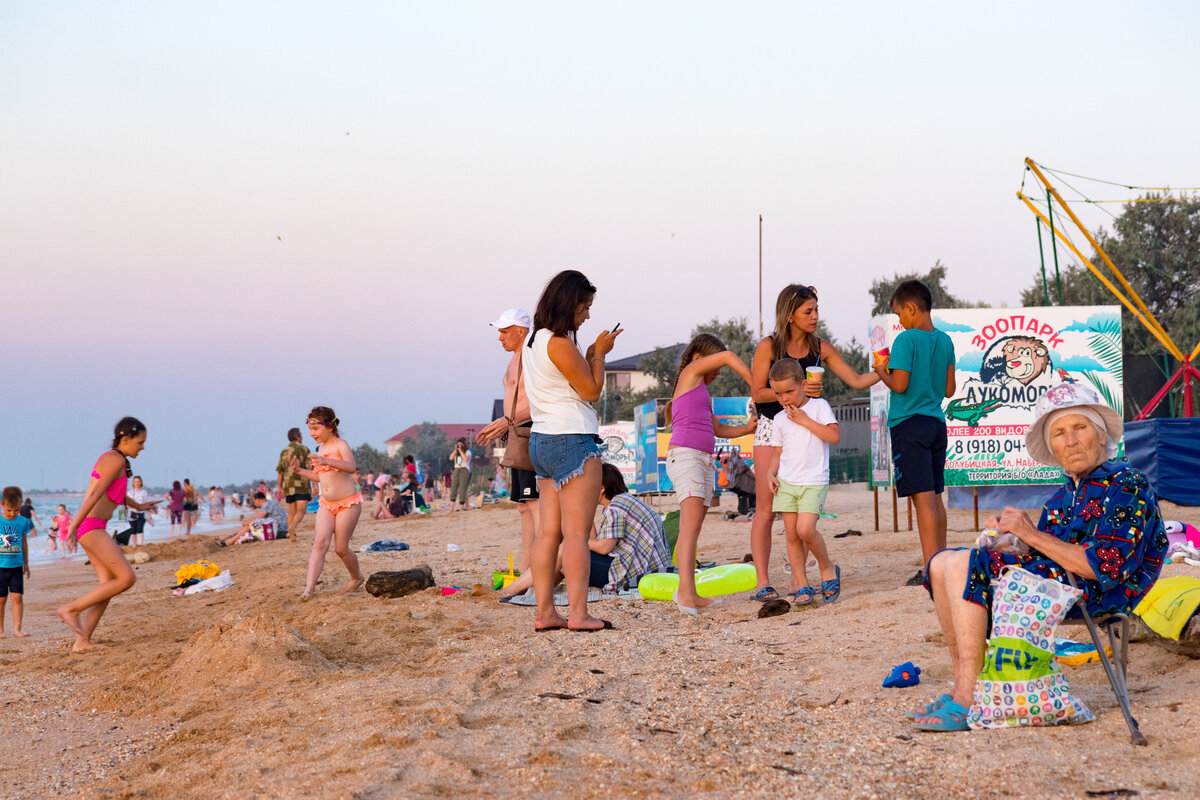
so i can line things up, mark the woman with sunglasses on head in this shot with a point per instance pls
(794, 337)
(106, 491)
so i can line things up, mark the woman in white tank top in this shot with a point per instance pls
(560, 382)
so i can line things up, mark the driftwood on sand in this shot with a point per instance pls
(401, 582)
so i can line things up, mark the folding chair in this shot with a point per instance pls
(1119, 644)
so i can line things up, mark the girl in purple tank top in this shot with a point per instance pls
(690, 453)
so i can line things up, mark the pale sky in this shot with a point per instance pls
(214, 216)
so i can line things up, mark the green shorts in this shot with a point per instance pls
(791, 499)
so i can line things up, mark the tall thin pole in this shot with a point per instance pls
(760, 321)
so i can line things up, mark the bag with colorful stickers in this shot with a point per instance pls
(1020, 683)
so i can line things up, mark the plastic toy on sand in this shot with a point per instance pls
(725, 579)
(906, 674)
(502, 579)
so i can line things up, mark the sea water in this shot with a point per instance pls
(158, 528)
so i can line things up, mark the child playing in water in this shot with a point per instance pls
(340, 502)
(690, 452)
(59, 524)
(799, 472)
(66, 544)
(14, 557)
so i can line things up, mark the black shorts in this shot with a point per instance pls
(137, 522)
(294, 498)
(919, 455)
(12, 579)
(522, 485)
(599, 574)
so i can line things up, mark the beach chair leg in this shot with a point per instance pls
(1118, 684)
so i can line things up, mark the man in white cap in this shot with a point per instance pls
(513, 326)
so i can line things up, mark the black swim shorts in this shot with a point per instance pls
(294, 498)
(522, 485)
(12, 579)
(919, 455)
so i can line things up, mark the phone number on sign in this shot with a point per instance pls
(977, 445)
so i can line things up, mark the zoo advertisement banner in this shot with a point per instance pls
(620, 449)
(1006, 359)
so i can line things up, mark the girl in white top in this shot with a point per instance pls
(560, 382)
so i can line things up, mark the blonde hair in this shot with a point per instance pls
(786, 369)
(790, 298)
(703, 345)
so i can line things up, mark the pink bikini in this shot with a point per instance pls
(115, 492)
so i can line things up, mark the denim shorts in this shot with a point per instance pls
(559, 457)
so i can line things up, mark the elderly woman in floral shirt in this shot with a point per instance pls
(1103, 524)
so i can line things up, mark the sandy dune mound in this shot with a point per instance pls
(252, 651)
(189, 549)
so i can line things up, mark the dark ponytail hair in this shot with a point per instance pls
(325, 416)
(127, 428)
(561, 298)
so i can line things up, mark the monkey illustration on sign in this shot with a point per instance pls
(1022, 358)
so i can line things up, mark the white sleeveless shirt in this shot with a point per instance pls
(556, 408)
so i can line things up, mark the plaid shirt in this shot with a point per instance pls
(294, 482)
(642, 545)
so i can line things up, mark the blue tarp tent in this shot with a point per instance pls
(1168, 451)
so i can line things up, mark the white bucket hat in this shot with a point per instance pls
(1063, 397)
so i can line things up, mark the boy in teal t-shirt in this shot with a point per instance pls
(14, 556)
(920, 373)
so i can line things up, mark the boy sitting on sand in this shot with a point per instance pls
(804, 429)
(14, 557)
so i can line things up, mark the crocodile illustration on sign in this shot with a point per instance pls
(971, 413)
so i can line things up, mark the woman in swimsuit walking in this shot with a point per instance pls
(105, 492)
(340, 502)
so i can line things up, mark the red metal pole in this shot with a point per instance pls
(1187, 388)
(1160, 394)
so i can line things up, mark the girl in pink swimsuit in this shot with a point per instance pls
(105, 492)
(340, 502)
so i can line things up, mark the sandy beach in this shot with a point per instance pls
(251, 693)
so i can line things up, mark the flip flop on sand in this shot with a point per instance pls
(607, 626)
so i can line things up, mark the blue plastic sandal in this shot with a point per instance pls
(832, 589)
(950, 717)
(808, 590)
(764, 594)
(929, 708)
